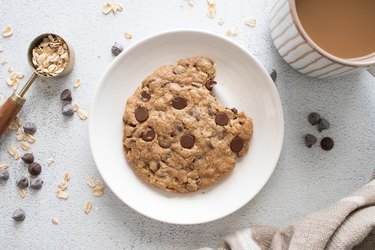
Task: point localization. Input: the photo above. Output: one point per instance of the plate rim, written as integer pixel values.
(186, 32)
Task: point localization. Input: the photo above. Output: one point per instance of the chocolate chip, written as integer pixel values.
(4, 174)
(36, 183)
(124, 121)
(67, 110)
(313, 118)
(323, 124)
(23, 182)
(145, 96)
(234, 110)
(211, 112)
(35, 168)
(236, 144)
(28, 158)
(273, 75)
(141, 114)
(210, 84)
(179, 102)
(187, 141)
(29, 128)
(209, 145)
(116, 49)
(18, 215)
(327, 143)
(221, 118)
(149, 135)
(310, 140)
(66, 95)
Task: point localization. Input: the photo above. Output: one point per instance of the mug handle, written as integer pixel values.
(371, 71)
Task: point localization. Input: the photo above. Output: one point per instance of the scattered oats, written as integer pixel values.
(128, 35)
(96, 186)
(30, 138)
(15, 85)
(191, 3)
(50, 161)
(63, 185)
(90, 181)
(62, 194)
(20, 137)
(66, 176)
(12, 150)
(51, 56)
(252, 22)
(117, 7)
(107, 7)
(87, 207)
(7, 32)
(211, 8)
(25, 146)
(20, 75)
(77, 83)
(221, 21)
(232, 32)
(75, 107)
(82, 115)
(3, 61)
(4, 165)
(114, 7)
(54, 221)
(22, 192)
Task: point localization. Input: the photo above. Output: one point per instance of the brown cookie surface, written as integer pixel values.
(177, 136)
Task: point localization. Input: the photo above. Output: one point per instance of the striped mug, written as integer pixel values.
(300, 52)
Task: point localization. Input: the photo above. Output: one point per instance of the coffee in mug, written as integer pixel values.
(325, 38)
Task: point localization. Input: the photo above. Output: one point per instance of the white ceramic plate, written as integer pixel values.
(242, 83)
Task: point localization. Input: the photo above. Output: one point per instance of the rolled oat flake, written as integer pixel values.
(18, 215)
(29, 128)
(36, 183)
(4, 174)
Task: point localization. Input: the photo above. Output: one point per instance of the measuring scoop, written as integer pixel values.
(14, 103)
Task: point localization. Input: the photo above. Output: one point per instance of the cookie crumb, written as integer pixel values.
(54, 221)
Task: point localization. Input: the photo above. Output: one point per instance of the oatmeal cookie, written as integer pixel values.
(177, 136)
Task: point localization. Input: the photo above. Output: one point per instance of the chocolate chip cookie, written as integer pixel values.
(177, 136)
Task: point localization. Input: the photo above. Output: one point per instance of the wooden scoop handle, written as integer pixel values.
(9, 111)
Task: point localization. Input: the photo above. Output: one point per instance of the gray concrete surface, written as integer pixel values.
(304, 180)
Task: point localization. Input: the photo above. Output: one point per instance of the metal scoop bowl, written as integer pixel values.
(14, 103)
